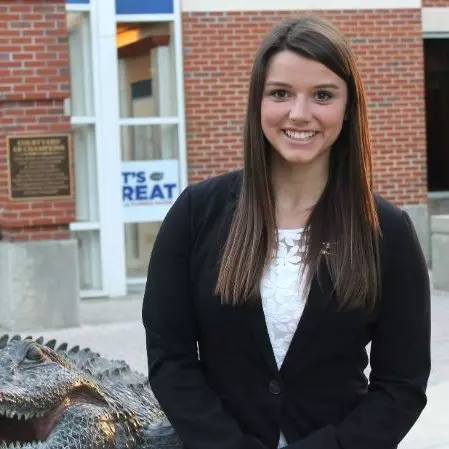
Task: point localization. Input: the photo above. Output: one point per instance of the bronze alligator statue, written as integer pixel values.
(55, 397)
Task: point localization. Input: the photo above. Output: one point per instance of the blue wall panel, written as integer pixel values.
(136, 6)
(144, 6)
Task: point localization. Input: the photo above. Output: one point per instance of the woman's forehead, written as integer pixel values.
(292, 69)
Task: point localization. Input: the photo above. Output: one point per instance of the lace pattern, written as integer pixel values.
(282, 292)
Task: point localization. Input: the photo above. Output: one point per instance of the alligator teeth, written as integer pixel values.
(18, 445)
(20, 416)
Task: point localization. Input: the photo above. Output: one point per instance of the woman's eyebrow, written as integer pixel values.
(319, 86)
(277, 83)
(327, 86)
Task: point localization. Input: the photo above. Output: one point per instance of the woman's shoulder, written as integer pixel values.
(397, 228)
(390, 215)
(216, 189)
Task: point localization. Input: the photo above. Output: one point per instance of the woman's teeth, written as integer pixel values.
(297, 135)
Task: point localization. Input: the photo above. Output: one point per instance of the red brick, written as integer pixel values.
(431, 3)
(34, 103)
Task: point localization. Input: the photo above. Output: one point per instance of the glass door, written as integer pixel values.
(150, 135)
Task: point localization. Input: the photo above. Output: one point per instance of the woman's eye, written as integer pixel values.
(279, 94)
(322, 95)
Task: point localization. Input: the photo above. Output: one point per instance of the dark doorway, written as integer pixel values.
(436, 56)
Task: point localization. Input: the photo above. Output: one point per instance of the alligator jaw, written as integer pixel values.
(23, 429)
(32, 430)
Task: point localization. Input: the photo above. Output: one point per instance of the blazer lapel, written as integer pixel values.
(319, 297)
(253, 309)
(258, 325)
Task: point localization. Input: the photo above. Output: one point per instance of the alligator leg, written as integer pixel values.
(160, 436)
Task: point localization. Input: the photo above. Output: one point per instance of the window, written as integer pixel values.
(146, 70)
(81, 102)
(81, 107)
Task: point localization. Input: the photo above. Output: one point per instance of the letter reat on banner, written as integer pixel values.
(149, 188)
(145, 192)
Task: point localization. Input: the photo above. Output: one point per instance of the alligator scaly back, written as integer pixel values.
(87, 360)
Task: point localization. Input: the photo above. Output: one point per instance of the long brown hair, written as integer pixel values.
(343, 226)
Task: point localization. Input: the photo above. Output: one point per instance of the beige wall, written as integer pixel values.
(270, 5)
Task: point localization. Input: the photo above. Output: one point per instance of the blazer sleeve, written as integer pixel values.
(400, 356)
(168, 315)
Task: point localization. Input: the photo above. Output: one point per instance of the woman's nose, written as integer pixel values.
(300, 110)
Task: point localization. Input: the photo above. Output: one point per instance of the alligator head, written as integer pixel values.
(47, 402)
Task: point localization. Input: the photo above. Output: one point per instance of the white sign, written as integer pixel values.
(149, 188)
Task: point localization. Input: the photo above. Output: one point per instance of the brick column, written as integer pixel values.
(34, 81)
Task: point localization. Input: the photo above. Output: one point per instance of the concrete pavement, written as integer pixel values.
(432, 429)
(113, 328)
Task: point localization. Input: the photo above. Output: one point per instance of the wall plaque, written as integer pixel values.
(40, 166)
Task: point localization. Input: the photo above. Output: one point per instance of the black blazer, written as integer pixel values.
(233, 396)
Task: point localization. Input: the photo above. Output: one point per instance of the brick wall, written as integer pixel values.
(427, 3)
(218, 54)
(34, 81)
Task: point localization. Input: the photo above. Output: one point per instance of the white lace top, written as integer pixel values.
(283, 294)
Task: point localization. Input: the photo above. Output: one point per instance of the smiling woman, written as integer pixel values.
(266, 285)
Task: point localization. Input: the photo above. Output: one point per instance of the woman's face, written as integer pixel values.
(303, 109)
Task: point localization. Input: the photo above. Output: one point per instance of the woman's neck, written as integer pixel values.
(296, 190)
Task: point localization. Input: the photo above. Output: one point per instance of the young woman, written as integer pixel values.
(266, 285)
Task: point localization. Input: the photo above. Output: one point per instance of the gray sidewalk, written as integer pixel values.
(113, 328)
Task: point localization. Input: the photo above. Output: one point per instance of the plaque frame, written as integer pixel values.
(69, 157)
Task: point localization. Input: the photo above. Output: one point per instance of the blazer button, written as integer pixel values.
(274, 387)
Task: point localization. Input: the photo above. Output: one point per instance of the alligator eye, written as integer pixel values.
(34, 354)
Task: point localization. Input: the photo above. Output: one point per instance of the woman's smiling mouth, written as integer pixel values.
(299, 136)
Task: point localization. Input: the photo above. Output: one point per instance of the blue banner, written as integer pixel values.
(144, 6)
(78, 2)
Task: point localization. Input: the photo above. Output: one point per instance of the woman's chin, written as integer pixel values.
(300, 157)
